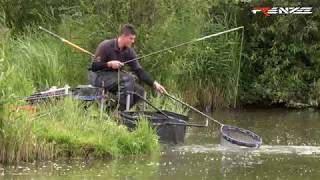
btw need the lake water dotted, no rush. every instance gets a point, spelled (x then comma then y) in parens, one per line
(290, 150)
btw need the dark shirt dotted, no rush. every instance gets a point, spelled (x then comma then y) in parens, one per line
(109, 50)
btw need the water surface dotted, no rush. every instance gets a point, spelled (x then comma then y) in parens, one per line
(290, 150)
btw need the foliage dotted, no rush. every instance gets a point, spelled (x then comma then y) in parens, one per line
(282, 56)
(280, 63)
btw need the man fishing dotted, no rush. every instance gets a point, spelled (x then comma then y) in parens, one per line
(110, 56)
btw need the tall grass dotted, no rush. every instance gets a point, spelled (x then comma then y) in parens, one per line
(18, 142)
(46, 61)
(213, 70)
(64, 128)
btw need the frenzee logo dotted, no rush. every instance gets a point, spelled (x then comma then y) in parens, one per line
(267, 11)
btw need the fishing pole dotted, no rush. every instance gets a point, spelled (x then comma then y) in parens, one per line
(147, 55)
(186, 43)
(66, 41)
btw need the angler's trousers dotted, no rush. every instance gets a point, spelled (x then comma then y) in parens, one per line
(109, 81)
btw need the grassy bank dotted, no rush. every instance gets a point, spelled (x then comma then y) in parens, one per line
(65, 129)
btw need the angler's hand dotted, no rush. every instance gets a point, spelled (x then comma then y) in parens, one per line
(159, 88)
(115, 64)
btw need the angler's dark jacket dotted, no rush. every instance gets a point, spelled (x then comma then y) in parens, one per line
(109, 50)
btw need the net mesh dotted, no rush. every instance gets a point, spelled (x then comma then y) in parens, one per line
(241, 136)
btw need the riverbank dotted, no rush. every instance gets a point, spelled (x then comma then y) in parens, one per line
(65, 129)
